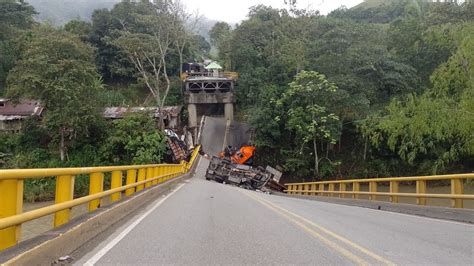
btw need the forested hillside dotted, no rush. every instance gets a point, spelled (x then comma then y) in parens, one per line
(383, 89)
(129, 55)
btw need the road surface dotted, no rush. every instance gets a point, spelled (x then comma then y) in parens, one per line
(213, 135)
(206, 223)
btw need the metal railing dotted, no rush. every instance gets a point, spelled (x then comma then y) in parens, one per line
(457, 195)
(220, 74)
(138, 177)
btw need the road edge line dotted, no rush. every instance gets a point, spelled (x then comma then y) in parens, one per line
(127, 230)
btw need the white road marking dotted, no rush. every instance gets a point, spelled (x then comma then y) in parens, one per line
(127, 230)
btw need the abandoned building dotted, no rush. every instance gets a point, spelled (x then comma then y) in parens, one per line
(13, 114)
(171, 114)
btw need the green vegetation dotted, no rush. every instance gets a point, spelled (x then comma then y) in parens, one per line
(76, 70)
(403, 73)
(382, 89)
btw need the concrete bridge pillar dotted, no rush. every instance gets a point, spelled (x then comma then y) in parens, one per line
(229, 111)
(192, 120)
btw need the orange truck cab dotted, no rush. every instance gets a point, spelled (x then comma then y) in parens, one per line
(243, 156)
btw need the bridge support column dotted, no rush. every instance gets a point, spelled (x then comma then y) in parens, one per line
(229, 111)
(192, 120)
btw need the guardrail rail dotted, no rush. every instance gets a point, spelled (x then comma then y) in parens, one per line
(339, 187)
(137, 178)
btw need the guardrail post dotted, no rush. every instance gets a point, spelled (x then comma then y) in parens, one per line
(141, 177)
(321, 188)
(162, 173)
(11, 203)
(313, 188)
(96, 186)
(170, 172)
(165, 173)
(331, 189)
(355, 188)
(394, 188)
(306, 188)
(421, 189)
(155, 174)
(372, 189)
(64, 192)
(300, 190)
(457, 188)
(288, 189)
(183, 167)
(342, 187)
(149, 175)
(173, 170)
(131, 179)
(116, 183)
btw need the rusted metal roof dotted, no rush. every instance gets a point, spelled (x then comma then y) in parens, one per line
(25, 108)
(119, 112)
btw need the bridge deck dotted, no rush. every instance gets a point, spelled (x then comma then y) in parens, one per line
(209, 223)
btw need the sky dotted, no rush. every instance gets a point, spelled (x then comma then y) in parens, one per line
(234, 11)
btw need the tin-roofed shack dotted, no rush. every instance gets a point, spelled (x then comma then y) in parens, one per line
(171, 114)
(12, 114)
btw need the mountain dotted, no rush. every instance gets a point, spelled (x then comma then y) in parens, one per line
(59, 12)
(205, 25)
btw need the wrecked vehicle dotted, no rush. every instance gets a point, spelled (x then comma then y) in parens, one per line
(234, 167)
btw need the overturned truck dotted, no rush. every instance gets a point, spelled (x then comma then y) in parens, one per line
(224, 170)
(227, 144)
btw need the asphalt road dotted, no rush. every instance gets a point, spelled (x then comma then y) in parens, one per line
(206, 223)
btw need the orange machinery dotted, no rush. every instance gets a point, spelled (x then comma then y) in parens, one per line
(245, 155)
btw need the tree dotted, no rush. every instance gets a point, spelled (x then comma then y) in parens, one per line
(309, 115)
(81, 28)
(438, 125)
(149, 49)
(221, 38)
(58, 69)
(134, 140)
(184, 30)
(113, 64)
(15, 16)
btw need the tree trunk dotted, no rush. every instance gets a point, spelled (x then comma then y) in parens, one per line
(365, 148)
(61, 145)
(316, 158)
(180, 63)
(181, 69)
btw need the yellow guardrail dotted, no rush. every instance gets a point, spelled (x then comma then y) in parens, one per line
(137, 178)
(339, 187)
